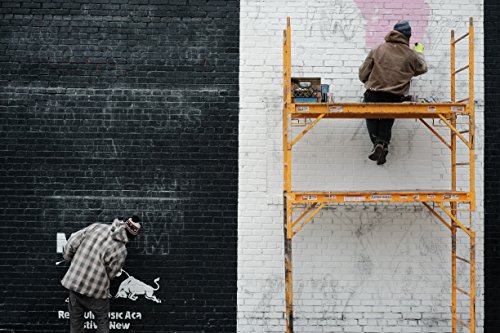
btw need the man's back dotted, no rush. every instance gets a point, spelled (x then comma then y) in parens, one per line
(97, 253)
(390, 66)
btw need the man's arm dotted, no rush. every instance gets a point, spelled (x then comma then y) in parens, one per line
(115, 262)
(366, 68)
(73, 243)
(420, 65)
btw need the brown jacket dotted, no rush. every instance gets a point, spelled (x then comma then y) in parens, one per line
(390, 66)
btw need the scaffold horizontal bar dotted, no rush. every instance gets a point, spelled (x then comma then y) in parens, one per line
(378, 110)
(386, 196)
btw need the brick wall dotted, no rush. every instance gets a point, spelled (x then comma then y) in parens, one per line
(491, 138)
(360, 268)
(110, 108)
(120, 106)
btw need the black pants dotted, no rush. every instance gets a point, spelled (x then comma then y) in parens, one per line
(79, 303)
(380, 130)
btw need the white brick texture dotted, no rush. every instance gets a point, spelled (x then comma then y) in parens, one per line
(356, 268)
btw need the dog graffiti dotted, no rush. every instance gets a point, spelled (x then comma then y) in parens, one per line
(131, 288)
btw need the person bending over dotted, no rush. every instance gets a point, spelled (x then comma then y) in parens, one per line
(97, 254)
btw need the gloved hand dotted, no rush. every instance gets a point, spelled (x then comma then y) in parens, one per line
(419, 47)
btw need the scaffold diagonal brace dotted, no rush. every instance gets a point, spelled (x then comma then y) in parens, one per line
(308, 219)
(450, 215)
(435, 133)
(439, 217)
(467, 143)
(306, 211)
(307, 129)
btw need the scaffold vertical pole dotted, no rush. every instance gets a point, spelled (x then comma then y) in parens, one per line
(453, 188)
(287, 233)
(472, 185)
(287, 177)
(454, 278)
(287, 100)
(473, 283)
(472, 116)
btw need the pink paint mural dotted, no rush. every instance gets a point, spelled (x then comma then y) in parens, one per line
(381, 15)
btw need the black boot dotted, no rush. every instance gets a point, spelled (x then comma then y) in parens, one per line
(382, 157)
(376, 152)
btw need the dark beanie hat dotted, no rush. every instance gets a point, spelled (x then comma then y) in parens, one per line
(403, 27)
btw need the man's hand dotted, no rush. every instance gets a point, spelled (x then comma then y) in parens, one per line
(419, 47)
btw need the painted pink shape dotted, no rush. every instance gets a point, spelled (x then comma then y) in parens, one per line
(381, 15)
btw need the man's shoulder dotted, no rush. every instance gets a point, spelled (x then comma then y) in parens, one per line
(389, 48)
(97, 228)
(382, 48)
(377, 47)
(389, 44)
(99, 225)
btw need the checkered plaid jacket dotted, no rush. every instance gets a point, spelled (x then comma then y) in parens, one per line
(97, 253)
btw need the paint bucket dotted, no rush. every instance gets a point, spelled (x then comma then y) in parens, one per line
(324, 92)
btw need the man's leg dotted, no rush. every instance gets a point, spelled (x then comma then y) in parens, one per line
(380, 130)
(76, 312)
(373, 126)
(373, 129)
(100, 308)
(385, 131)
(385, 138)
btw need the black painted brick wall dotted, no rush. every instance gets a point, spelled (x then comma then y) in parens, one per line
(492, 165)
(111, 107)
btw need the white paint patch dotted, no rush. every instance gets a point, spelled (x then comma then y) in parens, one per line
(357, 268)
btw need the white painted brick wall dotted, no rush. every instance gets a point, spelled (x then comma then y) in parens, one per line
(357, 268)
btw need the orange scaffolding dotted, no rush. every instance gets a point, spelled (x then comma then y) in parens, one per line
(451, 207)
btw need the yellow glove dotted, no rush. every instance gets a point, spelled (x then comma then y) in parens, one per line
(419, 47)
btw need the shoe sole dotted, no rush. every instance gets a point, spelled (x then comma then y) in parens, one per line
(375, 156)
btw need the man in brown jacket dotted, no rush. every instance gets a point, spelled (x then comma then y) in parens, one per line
(386, 73)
